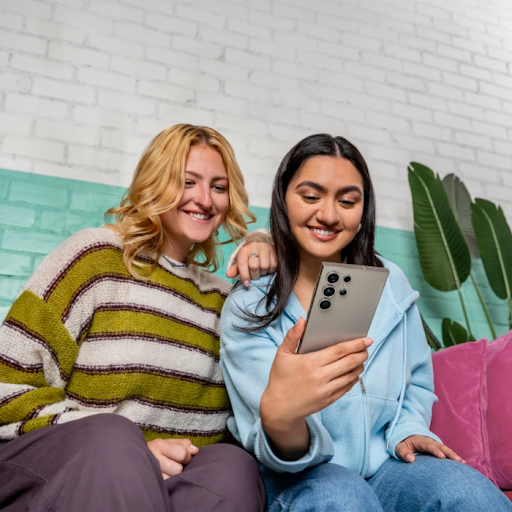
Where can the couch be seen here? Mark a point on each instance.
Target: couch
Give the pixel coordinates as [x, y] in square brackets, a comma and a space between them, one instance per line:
[473, 415]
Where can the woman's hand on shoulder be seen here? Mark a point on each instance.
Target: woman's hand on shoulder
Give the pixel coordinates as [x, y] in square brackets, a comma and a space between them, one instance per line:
[253, 260]
[172, 454]
[423, 444]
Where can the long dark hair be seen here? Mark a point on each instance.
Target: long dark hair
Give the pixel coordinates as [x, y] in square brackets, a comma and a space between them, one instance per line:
[360, 251]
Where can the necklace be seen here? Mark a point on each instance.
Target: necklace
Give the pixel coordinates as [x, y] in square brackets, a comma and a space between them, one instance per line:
[175, 265]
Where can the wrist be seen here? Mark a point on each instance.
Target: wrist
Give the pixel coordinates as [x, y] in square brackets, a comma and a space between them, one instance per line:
[276, 419]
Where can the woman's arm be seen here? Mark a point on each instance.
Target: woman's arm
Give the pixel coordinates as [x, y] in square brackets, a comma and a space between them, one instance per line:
[40, 339]
[276, 393]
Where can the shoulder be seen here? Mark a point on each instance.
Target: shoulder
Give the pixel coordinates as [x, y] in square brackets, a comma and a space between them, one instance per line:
[92, 244]
[398, 287]
[242, 301]
[207, 282]
[90, 238]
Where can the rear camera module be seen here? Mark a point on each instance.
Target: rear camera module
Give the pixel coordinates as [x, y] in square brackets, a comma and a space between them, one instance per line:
[329, 291]
[347, 279]
[343, 291]
[325, 304]
[333, 277]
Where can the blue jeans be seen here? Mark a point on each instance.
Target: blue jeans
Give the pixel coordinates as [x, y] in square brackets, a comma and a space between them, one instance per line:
[428, 484]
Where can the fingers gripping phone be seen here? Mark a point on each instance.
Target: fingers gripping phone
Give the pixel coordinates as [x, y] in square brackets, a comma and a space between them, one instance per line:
[343, 304]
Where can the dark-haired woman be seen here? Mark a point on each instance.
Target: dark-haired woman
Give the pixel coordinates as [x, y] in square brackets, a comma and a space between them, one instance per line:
[347, 427]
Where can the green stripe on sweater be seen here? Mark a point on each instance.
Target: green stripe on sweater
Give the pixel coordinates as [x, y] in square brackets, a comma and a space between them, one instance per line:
[110, 261]
[36, 423]
[21, 376]
[37, 318]
[21, 407]
[116, 322]
[167, 390]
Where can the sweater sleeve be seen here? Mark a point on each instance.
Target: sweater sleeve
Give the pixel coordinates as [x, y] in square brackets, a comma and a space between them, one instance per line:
[416, 411]
[246, 359]
[37, 349]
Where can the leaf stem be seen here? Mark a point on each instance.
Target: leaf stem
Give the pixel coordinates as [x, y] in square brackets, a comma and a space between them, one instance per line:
[465, 312]
[484, 306]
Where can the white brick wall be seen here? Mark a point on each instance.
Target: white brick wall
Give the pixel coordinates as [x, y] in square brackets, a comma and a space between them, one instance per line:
[84, 85]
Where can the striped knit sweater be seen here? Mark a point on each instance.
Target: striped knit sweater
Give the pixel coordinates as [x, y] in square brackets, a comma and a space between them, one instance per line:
[84, 337]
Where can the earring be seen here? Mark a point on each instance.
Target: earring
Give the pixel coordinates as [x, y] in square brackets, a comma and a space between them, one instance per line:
[359, 227]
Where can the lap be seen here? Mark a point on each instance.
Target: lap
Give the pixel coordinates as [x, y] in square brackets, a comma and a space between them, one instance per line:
[220, 477]
[324, 487]
[430, 483]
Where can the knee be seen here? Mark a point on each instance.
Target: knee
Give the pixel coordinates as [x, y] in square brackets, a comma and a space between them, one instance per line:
[324, 487]
[106, 432]
[238, 477]
[335, 485]
[464, 488]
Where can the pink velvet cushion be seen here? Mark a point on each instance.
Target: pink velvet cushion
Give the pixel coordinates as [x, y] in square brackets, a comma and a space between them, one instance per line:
[499, 411]
[459, 416]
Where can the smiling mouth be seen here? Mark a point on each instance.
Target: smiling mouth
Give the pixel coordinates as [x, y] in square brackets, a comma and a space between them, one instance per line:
[323, 232]
[199, 216]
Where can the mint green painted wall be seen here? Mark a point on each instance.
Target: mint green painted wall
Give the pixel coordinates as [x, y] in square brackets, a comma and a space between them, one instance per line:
[38, 212]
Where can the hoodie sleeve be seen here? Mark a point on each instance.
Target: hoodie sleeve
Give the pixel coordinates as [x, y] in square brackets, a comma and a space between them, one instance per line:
[416, 408]
[246, 359]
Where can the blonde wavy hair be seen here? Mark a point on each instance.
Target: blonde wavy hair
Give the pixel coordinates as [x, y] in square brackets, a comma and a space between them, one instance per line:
[157, 187]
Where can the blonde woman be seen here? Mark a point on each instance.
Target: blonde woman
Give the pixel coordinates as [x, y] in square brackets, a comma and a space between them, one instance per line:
[111, 393]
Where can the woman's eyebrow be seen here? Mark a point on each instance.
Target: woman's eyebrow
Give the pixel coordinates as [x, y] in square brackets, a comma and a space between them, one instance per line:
[199, 176]
[322, 189]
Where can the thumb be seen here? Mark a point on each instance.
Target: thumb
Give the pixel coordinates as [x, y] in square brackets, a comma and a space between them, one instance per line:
[232, 271]
[292, 337]
[405, 453]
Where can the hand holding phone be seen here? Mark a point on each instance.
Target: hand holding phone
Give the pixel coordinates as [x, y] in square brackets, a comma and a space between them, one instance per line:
[343, 304]
[301, 385]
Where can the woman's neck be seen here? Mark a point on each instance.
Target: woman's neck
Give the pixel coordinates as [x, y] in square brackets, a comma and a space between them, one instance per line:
[175, 251]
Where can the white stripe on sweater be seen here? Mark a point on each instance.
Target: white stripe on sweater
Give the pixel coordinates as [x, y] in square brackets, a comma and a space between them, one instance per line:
[27, 351]
[108, 293]
[129, 350]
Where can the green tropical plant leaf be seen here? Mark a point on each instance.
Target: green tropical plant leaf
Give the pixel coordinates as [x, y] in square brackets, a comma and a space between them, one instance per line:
[432, 340]
[444, 254]
[460, 203]
[453, 333]
[495, 243]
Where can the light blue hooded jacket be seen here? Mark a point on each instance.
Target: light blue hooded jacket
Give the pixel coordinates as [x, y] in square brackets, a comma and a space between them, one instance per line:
[392, 400]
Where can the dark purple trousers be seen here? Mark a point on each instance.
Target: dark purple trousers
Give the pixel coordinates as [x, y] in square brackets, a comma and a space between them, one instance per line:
[102, 463]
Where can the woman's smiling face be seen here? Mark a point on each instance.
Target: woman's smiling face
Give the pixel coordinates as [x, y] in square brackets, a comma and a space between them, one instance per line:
[203, 205]
[325, 201]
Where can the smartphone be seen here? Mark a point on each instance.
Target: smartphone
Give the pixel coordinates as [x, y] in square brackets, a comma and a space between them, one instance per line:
[343, 304]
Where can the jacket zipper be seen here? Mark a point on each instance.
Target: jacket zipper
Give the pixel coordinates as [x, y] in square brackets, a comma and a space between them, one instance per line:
[365, 429]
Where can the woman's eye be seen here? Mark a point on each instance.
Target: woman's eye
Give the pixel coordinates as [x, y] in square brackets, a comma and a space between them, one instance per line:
[310, 199]
[220, 188]
[346, 202]
[188, 183]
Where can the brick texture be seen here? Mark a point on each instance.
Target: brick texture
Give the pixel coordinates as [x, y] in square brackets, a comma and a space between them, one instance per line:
[84, 84]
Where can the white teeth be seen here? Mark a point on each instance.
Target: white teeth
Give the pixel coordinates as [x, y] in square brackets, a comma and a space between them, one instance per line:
[199, 216]
[323, 232]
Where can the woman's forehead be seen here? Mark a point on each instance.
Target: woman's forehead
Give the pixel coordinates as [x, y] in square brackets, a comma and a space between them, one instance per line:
[328, 170]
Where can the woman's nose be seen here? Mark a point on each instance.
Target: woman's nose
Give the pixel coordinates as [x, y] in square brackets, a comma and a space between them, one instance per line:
[327, 213]
[204, 197]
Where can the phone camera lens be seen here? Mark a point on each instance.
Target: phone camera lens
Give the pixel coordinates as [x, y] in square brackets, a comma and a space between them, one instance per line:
[343, 291]
[325, 304]
[333, 277]
[329, 291]
[347, 279]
